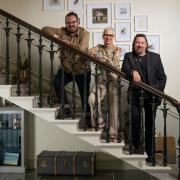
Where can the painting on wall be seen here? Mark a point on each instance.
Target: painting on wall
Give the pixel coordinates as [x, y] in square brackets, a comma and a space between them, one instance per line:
[141, 23]
[80, 18]
[154, 43]
[123, 11]
[98, 15]
[123, 31]
[75, 5]
[54, 5]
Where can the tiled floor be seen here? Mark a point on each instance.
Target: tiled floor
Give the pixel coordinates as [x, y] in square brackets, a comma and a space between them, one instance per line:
[101, 175]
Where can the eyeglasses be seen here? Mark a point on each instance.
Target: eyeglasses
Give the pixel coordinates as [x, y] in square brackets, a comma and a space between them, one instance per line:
[108, 35]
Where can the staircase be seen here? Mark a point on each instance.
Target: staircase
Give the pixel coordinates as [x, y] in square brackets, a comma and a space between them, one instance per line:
[43, 47]
[92, 137]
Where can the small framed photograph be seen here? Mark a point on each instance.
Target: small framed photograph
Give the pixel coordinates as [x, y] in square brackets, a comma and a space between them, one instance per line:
[124, 49]
[141, 23]
[54, 5]
[123, 31]
[80, 18]
[123, 11]
[75, 5]
[154, 43]
[97, 38]
[99, 15]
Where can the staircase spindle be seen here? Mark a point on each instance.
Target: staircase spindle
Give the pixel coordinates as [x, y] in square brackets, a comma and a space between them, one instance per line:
[73, 88]
[107, 112]
[29, 43]
[85, 98]
[50, 97]
[97, 104]
[19, 63]
[61, 110]
[40, 47]
[154, 107]
[130, 122]
[7, 29]
[119, 87]
[142, 122]
[165, 110]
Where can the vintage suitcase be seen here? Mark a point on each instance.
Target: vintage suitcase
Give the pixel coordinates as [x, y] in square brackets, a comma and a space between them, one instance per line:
[171, 149]
[85, 163]
[65, 163]
[46, 162]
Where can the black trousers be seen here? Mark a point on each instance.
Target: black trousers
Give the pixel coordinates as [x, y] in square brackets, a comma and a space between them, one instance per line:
[79, 79]
[136, 121]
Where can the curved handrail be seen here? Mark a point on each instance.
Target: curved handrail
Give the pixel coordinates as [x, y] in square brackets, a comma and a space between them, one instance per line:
[93, 59]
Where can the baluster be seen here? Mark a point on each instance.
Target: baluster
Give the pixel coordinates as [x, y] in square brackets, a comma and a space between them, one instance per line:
[61, 110]
[96, 99]
[107, 112]
[7, 29]
[130, 122]
[85, 97]
[40, 46]
[73, 88]
[29, 43]
[119, 86]
[154, 107]
[142, 122]
[18, 36]
[50, 97]
[178, 110]
[165, 109]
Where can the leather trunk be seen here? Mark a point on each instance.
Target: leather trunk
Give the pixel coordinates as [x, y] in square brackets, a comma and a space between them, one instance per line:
[65, 163]
[85, 163]
[46, 162]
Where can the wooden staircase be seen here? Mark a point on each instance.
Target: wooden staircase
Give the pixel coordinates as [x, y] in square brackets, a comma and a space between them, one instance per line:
[92, 137]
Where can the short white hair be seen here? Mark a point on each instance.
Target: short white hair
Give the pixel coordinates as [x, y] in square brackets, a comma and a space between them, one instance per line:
[107, 29]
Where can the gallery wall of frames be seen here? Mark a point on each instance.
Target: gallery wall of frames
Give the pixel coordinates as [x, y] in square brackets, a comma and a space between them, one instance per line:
[97, 15]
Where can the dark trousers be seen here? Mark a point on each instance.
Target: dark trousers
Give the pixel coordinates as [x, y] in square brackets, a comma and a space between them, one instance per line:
[79, 79]
[136, 122]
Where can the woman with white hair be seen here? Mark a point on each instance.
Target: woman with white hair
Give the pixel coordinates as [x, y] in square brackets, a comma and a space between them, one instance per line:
[110, 54]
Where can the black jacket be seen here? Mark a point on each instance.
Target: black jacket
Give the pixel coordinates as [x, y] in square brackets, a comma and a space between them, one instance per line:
[155, 71]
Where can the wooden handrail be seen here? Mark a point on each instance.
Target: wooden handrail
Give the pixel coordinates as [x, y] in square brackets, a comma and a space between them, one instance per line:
[88, 57]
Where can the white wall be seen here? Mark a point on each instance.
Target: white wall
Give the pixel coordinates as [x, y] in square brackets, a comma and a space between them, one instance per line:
[163, 20]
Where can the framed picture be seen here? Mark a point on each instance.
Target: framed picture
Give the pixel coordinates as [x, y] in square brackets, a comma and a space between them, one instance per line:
[98, 15]
[154, 43]
[123, 31]
[123, 11]
[75, 5]
[97, 38]
[140, 23]
[125, 48]
[54, 5]
[80, 18]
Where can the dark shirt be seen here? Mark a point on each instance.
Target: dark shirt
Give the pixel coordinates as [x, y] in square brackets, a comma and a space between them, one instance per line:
[141, 62]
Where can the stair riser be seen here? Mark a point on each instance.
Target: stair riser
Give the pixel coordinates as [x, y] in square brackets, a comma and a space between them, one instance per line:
[71, 128]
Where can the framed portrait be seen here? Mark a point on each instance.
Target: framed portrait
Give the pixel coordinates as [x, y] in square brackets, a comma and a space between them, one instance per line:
[97, 38]
[75, 5]
[124, 49]
[99, 15]
[141, 23]
[123, 31]
[123, 11]
[154, 43]
[54, 5]
[80, 18]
